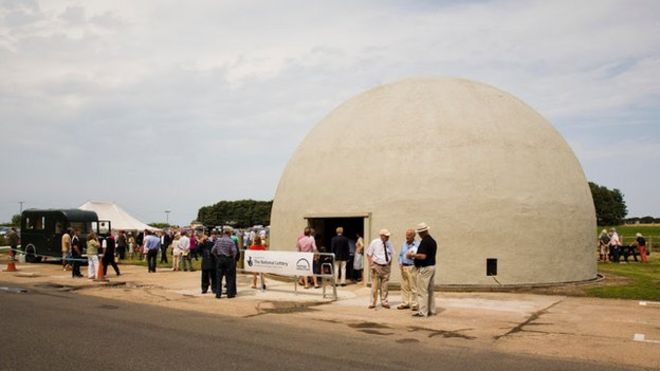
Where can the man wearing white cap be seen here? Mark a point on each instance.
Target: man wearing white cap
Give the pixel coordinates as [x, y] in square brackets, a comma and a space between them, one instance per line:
[425, 264]
[379, 256]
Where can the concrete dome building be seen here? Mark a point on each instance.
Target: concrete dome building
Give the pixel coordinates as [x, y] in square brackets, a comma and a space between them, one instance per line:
[505, 197]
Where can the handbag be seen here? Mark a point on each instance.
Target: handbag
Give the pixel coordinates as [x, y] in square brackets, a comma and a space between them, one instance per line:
[358, 262]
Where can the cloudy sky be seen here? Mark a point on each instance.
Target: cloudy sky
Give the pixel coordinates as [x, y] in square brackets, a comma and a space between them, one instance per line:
[175, 105]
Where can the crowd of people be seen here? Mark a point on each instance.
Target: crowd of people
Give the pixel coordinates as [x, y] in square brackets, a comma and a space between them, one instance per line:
[219, 251]
[611, 247]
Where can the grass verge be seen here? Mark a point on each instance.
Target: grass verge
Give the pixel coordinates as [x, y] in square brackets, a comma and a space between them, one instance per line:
[643, 280]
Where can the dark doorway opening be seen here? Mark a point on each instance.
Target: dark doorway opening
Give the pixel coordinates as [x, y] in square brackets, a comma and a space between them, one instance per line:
[325, 229]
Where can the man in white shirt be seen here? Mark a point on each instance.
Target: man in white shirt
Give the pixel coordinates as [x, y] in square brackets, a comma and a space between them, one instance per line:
[379, 256]
[615, 245]
[184, 246]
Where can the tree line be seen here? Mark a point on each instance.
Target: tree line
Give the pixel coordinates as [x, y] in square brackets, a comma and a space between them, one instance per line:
[241, 213]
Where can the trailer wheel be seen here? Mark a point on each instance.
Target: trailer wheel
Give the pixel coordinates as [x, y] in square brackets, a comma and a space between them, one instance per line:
[31, 254]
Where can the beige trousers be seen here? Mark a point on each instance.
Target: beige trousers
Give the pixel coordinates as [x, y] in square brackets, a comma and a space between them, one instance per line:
[409, 286]
[425, 297]
[380, 277]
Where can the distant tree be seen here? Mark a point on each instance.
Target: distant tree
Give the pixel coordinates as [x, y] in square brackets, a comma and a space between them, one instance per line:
[16, 220]
[633, 220]
[647, 220]
[610, 206]
[241, 213]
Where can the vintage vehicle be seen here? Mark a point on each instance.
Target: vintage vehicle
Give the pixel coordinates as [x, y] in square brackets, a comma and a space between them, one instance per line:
[42, 230]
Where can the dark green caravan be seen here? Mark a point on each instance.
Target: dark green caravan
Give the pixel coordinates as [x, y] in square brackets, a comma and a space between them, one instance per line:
[42, 230]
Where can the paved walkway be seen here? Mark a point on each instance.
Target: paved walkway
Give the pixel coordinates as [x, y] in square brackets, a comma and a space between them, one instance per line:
[622, 332]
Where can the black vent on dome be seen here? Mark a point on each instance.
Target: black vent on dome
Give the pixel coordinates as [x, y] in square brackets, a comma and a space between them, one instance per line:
[491, 267]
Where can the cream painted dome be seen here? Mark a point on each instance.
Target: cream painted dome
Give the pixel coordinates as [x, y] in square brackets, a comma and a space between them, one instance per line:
[490, 176]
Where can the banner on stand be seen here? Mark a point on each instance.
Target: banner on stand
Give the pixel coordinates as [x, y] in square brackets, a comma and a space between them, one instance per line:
[287, 263]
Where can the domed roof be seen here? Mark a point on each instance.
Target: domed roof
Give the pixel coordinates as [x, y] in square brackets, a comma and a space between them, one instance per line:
[490, 176]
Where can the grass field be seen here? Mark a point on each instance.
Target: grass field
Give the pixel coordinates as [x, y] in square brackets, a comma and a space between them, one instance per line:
[642, 280]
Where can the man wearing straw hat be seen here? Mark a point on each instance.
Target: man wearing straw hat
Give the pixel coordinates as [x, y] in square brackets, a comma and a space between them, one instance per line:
[425, 264]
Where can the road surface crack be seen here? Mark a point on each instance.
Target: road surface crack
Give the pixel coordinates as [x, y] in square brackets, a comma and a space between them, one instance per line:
[520, 327]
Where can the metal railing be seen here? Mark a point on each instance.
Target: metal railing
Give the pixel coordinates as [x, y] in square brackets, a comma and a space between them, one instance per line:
[322, 264]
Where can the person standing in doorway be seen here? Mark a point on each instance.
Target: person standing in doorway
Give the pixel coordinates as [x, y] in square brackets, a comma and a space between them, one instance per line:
[76, 254]
[351, 259]
[424, 259]
[152, 245]
[379, 257]
[408, 273]
[358, 260]
[339, 246]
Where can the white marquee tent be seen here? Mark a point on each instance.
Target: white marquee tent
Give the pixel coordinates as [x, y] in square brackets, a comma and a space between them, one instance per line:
[118, 217]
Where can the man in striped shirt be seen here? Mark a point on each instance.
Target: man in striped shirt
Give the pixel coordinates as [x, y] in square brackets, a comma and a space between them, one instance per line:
[225, 252]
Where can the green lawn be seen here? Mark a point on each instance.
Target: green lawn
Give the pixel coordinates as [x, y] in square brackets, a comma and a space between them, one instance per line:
[644, 284]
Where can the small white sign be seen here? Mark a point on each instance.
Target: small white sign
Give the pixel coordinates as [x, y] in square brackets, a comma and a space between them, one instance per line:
[286, 263]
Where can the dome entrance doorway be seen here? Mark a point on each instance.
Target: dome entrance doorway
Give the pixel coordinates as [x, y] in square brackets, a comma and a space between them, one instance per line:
[325, 227]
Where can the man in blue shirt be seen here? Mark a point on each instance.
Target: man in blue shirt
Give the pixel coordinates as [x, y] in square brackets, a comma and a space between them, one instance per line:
[152, 244]
[408, 273]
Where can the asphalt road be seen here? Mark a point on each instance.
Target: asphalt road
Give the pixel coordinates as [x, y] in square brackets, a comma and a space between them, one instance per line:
[46, 329]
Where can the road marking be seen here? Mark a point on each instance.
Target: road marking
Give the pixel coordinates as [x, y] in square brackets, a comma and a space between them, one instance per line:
[642, 338]
[17, 290]
[649, 302]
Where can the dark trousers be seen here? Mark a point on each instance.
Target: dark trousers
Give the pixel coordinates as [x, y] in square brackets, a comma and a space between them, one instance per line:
[226, 268]
[163, 254]
[209, 276]
[121, 250]
[109, 260]
[615, 253]
[349, 268]
[75, 266]
[151, 259]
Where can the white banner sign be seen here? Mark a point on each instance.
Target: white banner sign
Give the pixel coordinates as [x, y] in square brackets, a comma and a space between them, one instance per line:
[288, 263]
